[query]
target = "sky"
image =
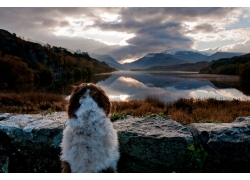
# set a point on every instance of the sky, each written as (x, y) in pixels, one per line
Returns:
(129, 32)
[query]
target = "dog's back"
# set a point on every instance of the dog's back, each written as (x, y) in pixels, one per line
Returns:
(89, 141)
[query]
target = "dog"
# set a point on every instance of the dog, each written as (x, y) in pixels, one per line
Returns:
(89, 143)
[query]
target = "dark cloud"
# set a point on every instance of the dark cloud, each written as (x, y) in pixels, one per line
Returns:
(204, 28)
(64, 23)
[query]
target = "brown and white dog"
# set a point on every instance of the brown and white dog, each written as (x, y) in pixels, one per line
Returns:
(89, 143)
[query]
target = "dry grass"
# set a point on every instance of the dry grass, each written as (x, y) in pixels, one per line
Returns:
(182, 110)
(31, 103)
(186, 110)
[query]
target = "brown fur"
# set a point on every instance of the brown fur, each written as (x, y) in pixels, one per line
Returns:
(109, 170)
(65, 166)
(97, 94)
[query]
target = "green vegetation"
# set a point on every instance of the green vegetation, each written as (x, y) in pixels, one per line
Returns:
(116, 116)
(200, 160)
(230, 66)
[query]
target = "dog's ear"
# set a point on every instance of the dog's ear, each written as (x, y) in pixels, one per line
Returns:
(72, 87)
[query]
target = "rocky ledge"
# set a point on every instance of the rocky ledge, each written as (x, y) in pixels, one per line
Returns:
(30, 143)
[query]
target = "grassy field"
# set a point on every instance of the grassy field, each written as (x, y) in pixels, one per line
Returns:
(182, 110)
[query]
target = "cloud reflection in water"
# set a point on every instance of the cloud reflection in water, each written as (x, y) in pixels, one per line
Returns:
(137, 85)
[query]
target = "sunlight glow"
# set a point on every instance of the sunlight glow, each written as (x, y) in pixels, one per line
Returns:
(190, 25)
(83, 28)
(127, 61)
(110, 17)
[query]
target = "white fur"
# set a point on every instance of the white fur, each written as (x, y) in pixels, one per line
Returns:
(89, 141)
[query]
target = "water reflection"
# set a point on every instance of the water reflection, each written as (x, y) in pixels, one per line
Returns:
(171, 86)
(167, 86)
(61, 87)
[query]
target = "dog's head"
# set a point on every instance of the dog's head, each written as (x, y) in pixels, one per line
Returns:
(85, 97)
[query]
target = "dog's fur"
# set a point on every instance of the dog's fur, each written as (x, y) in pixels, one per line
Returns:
(89, 141)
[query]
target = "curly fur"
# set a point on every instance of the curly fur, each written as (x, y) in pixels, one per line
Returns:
(89, 141)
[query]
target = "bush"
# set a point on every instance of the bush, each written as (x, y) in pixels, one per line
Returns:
(15, 72)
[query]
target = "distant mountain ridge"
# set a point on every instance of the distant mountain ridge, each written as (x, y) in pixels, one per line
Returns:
(176, 56)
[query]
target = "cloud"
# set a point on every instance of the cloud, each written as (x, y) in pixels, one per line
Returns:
(204, 28)
(237, 47)
(144, 29)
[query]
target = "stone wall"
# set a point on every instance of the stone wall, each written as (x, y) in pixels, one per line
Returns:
(30, 143)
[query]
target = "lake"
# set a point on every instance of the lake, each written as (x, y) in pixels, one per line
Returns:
(170, 86)
(167, 86)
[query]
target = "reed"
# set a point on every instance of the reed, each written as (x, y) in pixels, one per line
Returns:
(31, 103)
(186, 110)
(183, 110)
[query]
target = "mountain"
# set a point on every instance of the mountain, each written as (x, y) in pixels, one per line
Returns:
(154, 59)
(237, 65)
(161, 59)
(219, 55)
(187, 55)
(109, 60)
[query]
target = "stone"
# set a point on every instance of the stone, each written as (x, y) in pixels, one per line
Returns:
(30, 143)
(229, 142)
(152, 144)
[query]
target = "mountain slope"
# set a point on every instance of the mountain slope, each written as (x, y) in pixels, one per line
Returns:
(154, 59)
(238, 65)
(194, 67)
(187, 55)
(161, 59)
(140, 62)
(109, 60)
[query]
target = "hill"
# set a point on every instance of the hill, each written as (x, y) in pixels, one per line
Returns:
(23, 62)
(238, 65)
(219, 55)
(109, 60)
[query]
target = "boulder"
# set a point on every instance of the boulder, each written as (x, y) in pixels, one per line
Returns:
(30, 143)
(152, 144)
(229, 142)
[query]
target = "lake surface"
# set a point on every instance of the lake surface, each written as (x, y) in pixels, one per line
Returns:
(170, 86)
(167, 86)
